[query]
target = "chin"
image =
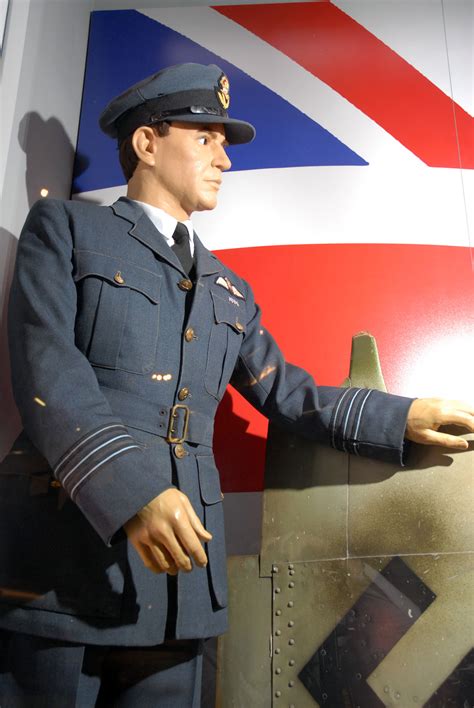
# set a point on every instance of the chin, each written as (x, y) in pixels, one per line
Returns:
(206, 205)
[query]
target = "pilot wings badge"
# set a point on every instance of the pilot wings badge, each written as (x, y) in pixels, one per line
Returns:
(226, 283)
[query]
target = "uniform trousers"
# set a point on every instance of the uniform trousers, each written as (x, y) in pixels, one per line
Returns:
(44, 673)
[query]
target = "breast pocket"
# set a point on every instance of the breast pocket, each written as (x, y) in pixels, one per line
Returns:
(227, 332)
(118, 312)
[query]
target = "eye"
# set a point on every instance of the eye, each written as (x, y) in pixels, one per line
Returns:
(203, 139)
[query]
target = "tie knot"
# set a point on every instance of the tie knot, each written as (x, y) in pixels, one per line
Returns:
(181, 233)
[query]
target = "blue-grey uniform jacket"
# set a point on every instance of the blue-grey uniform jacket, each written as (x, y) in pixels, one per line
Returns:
(119, 362)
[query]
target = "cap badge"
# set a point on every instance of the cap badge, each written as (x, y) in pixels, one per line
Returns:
(222, 91)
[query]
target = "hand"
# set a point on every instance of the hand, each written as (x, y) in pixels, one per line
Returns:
(427, 415)
(166, 533)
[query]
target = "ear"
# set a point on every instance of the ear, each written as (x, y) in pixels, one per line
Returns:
(144, 143)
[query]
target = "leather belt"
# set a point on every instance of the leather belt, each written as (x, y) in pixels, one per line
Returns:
(176, 424)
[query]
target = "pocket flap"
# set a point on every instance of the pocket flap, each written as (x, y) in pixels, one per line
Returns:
(209, 481)
(225, 311)
(117, 272)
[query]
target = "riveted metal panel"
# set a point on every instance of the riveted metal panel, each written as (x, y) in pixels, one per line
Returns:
(372, 632)
(244, 661)
(306, 495)
(305, 501)
(423, 508)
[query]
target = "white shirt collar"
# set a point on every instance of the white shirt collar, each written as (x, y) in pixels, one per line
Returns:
(166, 224)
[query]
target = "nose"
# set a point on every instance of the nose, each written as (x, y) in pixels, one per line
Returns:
(221, 158)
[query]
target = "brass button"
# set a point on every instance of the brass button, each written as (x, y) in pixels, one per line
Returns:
(185, 284)
(180, 452)
(55, 483)
(118, 278)
(239, 326)
(189, 334)
(183, 393)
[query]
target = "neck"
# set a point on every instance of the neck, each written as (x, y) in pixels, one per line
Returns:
(151, 194)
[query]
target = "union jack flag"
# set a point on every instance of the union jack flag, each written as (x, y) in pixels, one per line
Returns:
(352, 209)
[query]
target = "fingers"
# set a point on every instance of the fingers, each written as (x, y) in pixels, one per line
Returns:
(167, 534)
(427, 415)
(163, 561)
(444, 440)
(195, 521)
(458, 417)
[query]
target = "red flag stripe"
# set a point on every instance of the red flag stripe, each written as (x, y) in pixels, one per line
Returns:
(346, 56)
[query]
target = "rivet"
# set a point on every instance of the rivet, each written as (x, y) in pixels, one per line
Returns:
(291, 623)
(278, 632)
(291, 684)
(291, 662)
(290, 604)
(277, 650)
(277, 589)
(290, 566)
(278, 671)
(278, 694)
(291, 585)
(291, 642)
(278, 613)
(275, 569)
(292, 572)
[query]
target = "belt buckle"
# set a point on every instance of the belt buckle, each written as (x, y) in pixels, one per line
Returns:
(171, 437)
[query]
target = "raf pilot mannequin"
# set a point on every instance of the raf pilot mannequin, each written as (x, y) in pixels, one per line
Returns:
(121, 350)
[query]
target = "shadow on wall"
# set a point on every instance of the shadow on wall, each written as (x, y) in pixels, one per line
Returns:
(48, 152)
(49, 160)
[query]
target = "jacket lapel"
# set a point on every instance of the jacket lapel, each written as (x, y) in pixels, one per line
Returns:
(206, 262)
(144, 231)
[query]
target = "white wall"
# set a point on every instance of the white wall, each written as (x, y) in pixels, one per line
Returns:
(41, 77)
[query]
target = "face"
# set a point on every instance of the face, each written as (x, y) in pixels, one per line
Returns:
(187, 166)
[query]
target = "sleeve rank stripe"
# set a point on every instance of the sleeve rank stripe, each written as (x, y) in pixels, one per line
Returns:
(341, 418)
(99, 464)
(359, 418)
(82, 442)
(93, 452)
(346, 419)
(333, 426)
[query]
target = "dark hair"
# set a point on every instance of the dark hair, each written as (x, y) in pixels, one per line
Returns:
(127, 155)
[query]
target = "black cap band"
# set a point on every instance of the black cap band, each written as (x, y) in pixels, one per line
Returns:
(158, 109)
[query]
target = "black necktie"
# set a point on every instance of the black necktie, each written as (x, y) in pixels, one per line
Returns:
(182, 246)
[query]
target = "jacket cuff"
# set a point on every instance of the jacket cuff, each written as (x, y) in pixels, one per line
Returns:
(105, 474)
(90, 453)
(371, 423)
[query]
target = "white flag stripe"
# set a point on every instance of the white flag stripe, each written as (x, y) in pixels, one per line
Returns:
(346, 205)
(415, 31)
(285, 77)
